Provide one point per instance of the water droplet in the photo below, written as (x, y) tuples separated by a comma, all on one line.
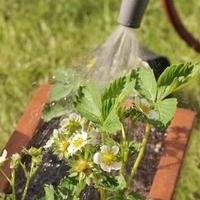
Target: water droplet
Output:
[(53, 104)]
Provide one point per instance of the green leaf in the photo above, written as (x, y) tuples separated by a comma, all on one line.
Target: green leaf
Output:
[(57, 109), (112, 99), (112, 123), (114, 89), (174, 78), (88, 103), (119, 90), (59, 91), (134, 196), (64, 83), (121, 182), (66, 188), (129, 89), (135, 114), (146, 84), (49, 192), (112, 183), (166, 109)]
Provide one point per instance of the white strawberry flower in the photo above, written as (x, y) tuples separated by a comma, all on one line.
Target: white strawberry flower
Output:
[(145, 107), (51, 140), (77, 142), (15, 160), (3, 157), (72, 124), (107, 158)]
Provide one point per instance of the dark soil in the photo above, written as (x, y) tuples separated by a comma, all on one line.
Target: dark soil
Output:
[(52, 170), (144, 177)]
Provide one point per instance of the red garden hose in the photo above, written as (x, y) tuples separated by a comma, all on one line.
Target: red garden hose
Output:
[(175, 20)]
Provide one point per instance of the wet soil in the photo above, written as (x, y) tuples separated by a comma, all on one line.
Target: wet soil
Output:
[(53, 170)]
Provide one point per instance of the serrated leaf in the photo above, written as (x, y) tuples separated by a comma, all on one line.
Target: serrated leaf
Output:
[(112, 99), (114, 89), (146, 84), (107, 106), (129, 89), (166, 109), (174, 78), (88, 104), (112, 123)]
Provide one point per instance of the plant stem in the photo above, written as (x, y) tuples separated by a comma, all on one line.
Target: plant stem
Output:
[(123, 132), (28, 178), (26, 187), (3, 173), (11, 181), (103, 137), (141, 152), (124, 149), (102, 194), (125, 145), (13, 184)]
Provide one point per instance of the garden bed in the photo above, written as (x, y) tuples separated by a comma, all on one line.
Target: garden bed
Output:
[(31, 131)]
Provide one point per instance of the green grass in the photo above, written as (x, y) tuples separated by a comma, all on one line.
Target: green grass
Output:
[(36, 37)]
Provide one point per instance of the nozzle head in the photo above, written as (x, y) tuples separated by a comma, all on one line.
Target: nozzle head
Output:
[(131, 12)]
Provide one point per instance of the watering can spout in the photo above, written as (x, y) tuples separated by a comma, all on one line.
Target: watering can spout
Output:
[(131, 12)]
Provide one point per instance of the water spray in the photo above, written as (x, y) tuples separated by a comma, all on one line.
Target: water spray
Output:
[(122, 50)]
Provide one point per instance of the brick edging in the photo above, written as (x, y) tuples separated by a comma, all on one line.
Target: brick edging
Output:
[(26, 127), (170, 163)]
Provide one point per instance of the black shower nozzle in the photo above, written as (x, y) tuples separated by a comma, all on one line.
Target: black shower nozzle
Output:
[(131, 12)]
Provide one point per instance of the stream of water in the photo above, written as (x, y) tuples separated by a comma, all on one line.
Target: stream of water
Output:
[(117, 55)]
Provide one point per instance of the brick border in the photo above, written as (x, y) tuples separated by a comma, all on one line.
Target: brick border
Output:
[(26, 127), (170, 164)]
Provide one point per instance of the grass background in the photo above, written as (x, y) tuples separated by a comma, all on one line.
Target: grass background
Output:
[(38, 36)]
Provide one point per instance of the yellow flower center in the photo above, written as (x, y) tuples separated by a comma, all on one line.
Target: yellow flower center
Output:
[(108, 158), (78, 142), (145, 108), (73, 126), (81, 166), (63, 145)]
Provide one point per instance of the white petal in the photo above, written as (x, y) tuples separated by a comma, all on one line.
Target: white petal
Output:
[(153, 115), (49, 143), (4, 154), (84, 135), (105, 167), (55, 133), (105, 148), (64, 122), (74, 116), (116, 165), (115, 149), (76, 136), (71, 149), (97, 158)]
